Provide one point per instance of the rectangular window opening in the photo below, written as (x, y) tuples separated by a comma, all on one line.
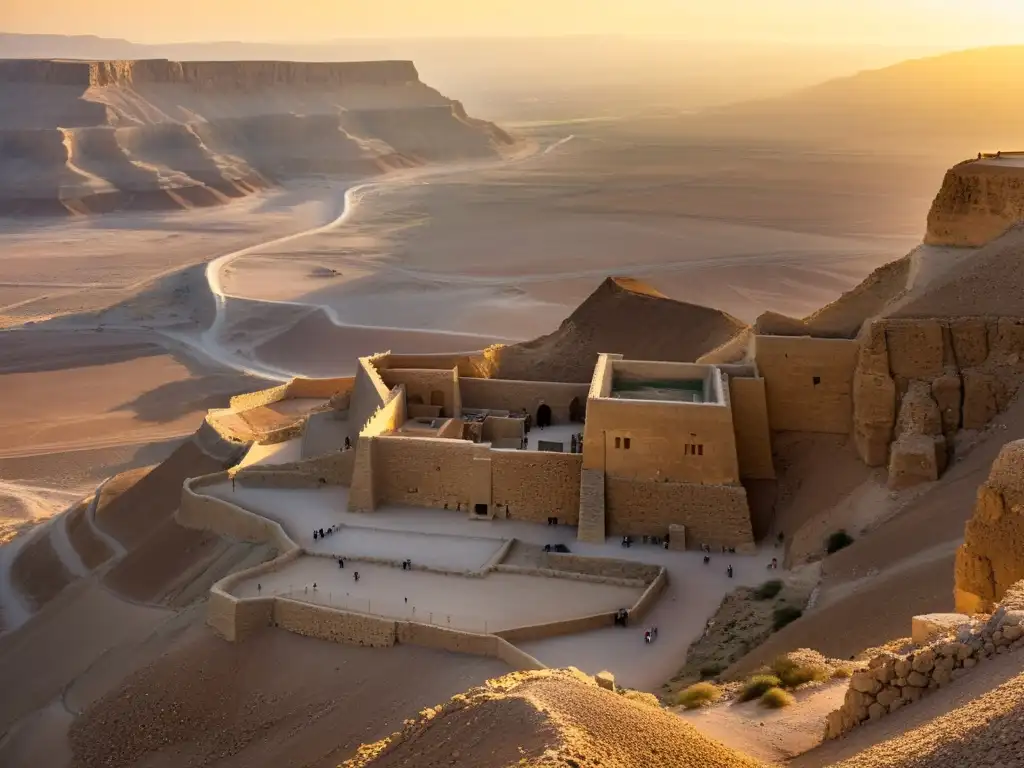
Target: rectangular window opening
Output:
[(618, 442), (626, 443), (700, 450), (817, 380)]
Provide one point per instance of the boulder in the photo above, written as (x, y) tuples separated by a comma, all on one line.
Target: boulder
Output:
[(887, 696), (875, 711), (605, 680), (902, 668), (924, 661), (916, 459), (916, 680), (864, 681), (912, 693)]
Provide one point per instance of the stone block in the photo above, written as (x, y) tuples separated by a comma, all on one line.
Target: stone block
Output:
[(897, 704), (864, 681), (919, 413), (914, 692), (915, 348), (970, 342), (902, 667), (981, 398), (927, 627), (923, 661), (947, 393), (605, 680), (916, 459), (916, 680), (876, 711), (887, 696)]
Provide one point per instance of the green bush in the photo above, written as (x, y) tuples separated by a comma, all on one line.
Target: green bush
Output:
[(838, 540), (711, 670), (699, 695), (787, 614), (768, 590), (793, 674), (842, 673), (757, 685), (776, 698)]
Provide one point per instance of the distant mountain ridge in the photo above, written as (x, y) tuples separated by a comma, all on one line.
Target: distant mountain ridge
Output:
[(94, 136)]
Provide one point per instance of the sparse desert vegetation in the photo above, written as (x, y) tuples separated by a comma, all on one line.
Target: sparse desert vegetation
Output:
[(698, 695)]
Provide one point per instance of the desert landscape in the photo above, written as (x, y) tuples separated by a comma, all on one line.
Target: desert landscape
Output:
[(297, 355)]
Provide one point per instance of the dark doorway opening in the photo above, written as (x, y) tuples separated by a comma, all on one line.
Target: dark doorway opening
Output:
[(576, 410), (480, 509), (817, 380)]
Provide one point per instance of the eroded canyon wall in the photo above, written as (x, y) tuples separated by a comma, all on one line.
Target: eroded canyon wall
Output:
[(979, 200)]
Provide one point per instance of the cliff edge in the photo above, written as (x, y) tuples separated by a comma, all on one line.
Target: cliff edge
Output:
[(979, 200), (94, 136)]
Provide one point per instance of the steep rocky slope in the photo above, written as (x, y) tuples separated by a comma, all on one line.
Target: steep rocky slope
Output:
[(624, 316), (96, 136)]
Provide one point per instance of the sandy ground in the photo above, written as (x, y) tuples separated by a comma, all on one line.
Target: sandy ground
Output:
[(772, 735), (693, 594)]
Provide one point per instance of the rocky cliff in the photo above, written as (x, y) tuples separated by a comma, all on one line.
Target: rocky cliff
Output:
[(991, 559), (979, 201), (91, 136)]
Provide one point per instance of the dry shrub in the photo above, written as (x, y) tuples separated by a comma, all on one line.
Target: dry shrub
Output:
[(699, 695), (768, 590), (640, 697), (757, 685), (842, 673), (776, 698), (794, 672)]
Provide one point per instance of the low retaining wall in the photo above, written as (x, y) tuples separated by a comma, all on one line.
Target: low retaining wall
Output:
[(334, 469), (553, 573), (602, 566), (557, 628), (891, 682), (331, 624), (208, 513), (649, 597)]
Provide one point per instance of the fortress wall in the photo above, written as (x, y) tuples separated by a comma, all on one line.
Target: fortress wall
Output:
[(362, 496), (250, 400), (516, 658), (554, 573), (713, 514), (369, 394), (480, 364), (301, 387), (659, 434), (650, 596), (333, 468), (425, 386), (331, 624), (791, 365), (444, 639), (509, 395), (537, 485), (750, 424), (284, 434), (557, 628), (601, 566), (424, 472)]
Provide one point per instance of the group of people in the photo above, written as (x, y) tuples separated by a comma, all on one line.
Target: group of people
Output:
[(774, 564), (407, 565), (650, 635), (622, 617), (321, 533), (576, 443)]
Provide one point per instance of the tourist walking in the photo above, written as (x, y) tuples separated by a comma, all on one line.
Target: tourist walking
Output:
[(356, 575), (647, 636), (729, 571)]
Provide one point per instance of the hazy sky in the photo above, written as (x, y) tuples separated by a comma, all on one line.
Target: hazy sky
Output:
[(952, 23)]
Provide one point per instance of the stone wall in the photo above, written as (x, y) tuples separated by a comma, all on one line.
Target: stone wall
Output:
[(248, 400), (445, 639), (663, 441), (965, 369), (330, 624), (508, 395), (331, 469), (327, 388), (558, 628), (535, 485), (650, 596), (369, 394), (751, 426), (601, 566), (426, 387), (891, 682), (208, 513), (991, 559), (808, 382), (451, 429), (713, 514), (480, 364), (500, 427)]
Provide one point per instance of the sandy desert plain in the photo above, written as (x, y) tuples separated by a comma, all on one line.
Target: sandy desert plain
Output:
[(120, 331)]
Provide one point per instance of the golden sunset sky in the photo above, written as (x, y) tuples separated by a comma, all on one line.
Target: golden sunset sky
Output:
[(952, 23)]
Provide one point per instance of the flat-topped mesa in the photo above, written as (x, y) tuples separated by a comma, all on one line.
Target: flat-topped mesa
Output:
[(979, 201), (208, 74)]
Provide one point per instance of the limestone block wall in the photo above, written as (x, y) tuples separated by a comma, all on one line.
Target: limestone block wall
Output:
[(444, 639), (713, 514), (388, 417), (536, 485), (331, 469), (808, 382), (301, 387), (361, 495), (558, 628), (426, 386), (249, 400), (336, 626), (892, 682), (482, 364), (201, 512), (658, 435), (601, 566), (972, 367), (426, 472), (509, 395), (991, 559), (750, 424), (451, 429), (592, 522), (283, 434)]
